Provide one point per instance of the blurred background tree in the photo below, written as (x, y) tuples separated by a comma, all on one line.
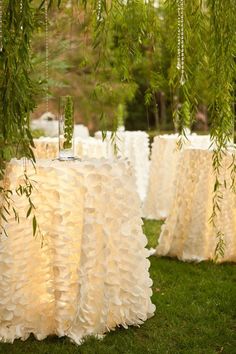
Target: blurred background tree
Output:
[(128, 58), (74, 69)]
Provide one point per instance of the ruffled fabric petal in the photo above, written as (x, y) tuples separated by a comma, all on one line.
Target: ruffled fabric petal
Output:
[(164, 162), (86, 271), (133, 146), (188, 233)]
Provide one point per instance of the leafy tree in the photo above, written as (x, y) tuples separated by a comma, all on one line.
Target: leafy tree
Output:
[(74, 69), (17, 88)]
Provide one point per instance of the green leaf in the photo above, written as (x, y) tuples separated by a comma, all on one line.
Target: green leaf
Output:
[(29, 211), (6, 210), (3, 216), (34, 221)]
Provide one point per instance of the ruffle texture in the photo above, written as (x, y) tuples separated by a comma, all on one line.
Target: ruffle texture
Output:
[(48, 148), (50, 127), (86, 271), (164, 162), (134, 146), (188, 233)]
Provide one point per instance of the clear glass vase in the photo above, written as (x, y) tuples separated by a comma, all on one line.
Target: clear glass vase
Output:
[(66, 128)]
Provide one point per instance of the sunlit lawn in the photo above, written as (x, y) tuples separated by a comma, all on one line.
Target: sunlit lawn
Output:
[(196, 308)]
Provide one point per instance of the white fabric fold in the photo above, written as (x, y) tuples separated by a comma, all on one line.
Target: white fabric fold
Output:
[(188, 233), (134, 146), (164, 161), (86, 272), (48, 148)]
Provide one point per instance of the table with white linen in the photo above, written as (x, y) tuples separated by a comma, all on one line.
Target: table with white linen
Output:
[(133, 145), (164, 161), (81, 131), (50, 127), (86, 269), (48, 148), (188, 233)]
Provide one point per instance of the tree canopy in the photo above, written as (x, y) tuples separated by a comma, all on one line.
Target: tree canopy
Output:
[(113, 53)]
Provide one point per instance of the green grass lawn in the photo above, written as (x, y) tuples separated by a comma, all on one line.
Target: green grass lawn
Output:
[(196, 308)]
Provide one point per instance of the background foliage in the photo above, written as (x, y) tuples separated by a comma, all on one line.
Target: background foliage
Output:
[(127, 54), (118, 55), (17, 88)]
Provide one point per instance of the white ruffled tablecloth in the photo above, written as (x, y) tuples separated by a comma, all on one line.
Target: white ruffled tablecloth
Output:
[(50, 127), (187, 233), (164, 161), (86, 270), (133, 145), (81, 131), (48, 148)]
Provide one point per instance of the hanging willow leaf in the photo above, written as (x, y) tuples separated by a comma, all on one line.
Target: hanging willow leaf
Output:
[(6, 210), (16, 215), (3, 216), (34, 221), (29, 211)]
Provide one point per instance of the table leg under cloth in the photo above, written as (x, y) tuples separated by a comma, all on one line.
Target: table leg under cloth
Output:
[(91, 272)]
